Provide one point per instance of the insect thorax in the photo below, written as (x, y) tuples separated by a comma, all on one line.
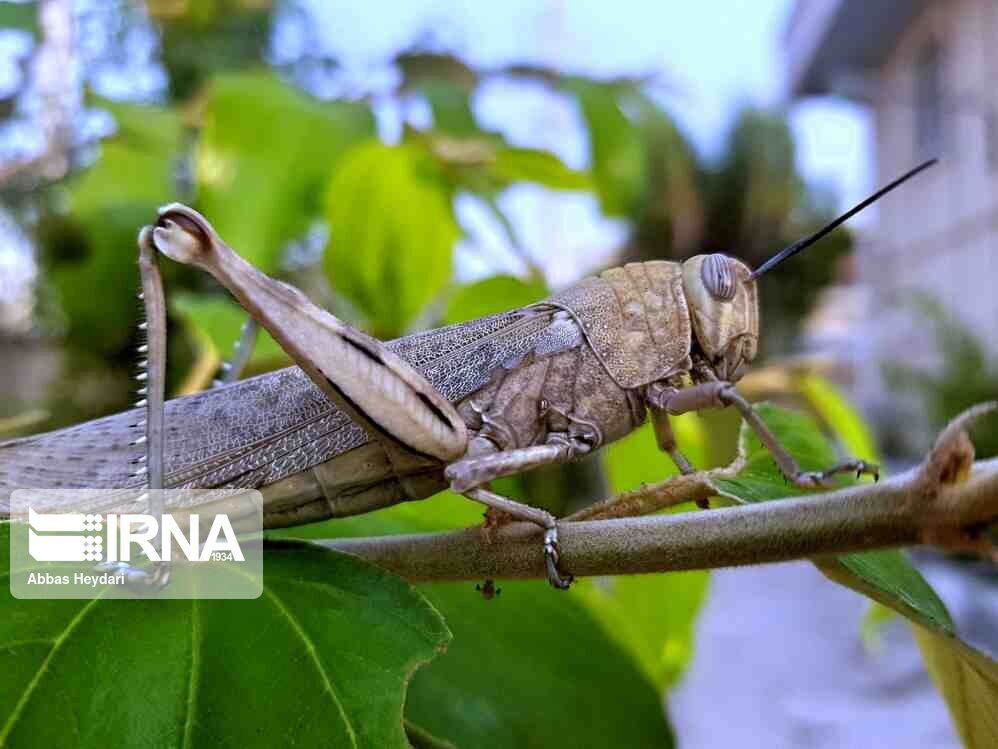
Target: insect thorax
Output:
[(636, 319)]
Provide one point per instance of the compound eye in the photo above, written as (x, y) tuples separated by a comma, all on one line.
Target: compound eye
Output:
[(718, 275)]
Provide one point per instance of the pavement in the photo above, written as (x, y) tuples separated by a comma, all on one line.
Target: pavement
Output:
[(779, 663)]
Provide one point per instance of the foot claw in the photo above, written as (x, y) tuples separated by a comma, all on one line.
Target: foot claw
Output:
[(555, 577)]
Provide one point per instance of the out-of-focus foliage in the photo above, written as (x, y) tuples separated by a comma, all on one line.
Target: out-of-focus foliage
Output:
[(217, 323), (206, 37), (18, 15), (306, 190), (385, 206), (495, 294), (750, 203), (264, 157), (91, 250), (967, 678), (965, 376), (323, 657)]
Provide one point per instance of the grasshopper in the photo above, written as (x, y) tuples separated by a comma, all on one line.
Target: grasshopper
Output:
[(362, 424)]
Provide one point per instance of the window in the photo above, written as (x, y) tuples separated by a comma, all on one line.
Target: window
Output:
[(929, 102)]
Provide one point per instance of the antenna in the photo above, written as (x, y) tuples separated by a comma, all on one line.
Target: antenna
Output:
[(802, 244)]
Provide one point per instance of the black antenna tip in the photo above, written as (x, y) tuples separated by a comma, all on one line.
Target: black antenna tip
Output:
[(802, 244)]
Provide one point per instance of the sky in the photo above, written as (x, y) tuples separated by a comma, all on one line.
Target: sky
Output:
[(708, 58)]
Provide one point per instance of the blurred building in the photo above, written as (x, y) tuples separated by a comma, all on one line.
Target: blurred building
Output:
[(928, 70)]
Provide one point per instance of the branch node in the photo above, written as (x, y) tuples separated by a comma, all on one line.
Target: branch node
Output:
[(951, 458)]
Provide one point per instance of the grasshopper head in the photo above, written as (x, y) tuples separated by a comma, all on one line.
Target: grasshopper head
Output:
[(724, 310)]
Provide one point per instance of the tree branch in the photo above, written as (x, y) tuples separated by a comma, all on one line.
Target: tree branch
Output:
[(948, 500)]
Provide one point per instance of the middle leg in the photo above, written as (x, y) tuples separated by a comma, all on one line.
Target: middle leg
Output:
[(469, 475)]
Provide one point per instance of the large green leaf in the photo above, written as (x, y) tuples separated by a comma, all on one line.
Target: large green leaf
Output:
[(108, 203), (967, 679), (492, 295), (653, 616), (616, 152), (523, 669), (265, 155), (531, 668), (393, 233), (323, 658)]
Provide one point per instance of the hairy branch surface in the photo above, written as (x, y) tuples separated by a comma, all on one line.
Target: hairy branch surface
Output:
[(949, 501)]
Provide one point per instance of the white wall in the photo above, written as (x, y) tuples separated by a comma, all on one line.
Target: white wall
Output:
[(940, 232)]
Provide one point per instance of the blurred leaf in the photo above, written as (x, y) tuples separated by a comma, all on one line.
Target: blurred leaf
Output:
[(616, 154), (888, 571), (840, 416), (392, 233), (451, 106), (871, 630), (531, 668), (636, 459), (219, 322), (19, 15), (541, 167), (492, 295), (653, 617), (322, 658), (202, 39), (670, 220), (967, 678), (756, 187), (965, 377), (132, 177), (265, 155)]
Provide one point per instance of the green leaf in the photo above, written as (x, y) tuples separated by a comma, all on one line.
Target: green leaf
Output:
[(324, 657), (531, 668), (760, 481), (840, 416), (451, 106), (541, 167), (21, 15), (218, 322), (519, 676), (652, 616), (636, 459), (132, 177), (967, 679), (490, 296), (616, 151), (265, 155), (392, 233)]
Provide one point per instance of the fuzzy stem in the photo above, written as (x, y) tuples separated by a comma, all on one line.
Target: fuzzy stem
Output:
[(901, 511)]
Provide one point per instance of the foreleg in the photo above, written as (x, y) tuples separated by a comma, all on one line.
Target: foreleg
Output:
[(722, 394)]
